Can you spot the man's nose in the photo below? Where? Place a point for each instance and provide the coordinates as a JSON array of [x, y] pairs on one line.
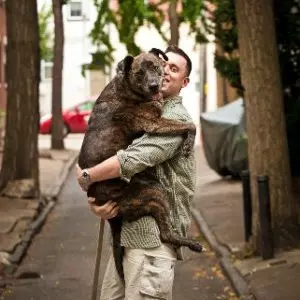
[[166, 69]]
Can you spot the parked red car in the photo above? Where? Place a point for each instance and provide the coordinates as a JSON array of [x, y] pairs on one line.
[[75, 119]]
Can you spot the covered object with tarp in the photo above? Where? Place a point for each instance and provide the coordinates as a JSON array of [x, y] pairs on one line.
[[223, 138]]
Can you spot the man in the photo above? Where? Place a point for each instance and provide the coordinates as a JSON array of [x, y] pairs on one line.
[[149, 264]]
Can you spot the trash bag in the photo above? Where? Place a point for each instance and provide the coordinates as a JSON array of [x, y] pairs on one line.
[[224, 139]]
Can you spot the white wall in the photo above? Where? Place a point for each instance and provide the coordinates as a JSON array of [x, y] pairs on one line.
[[45, 85], [211, 78], [77, 50], [76, 53]]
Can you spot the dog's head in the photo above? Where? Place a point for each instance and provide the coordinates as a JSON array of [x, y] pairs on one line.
[[144, 73]]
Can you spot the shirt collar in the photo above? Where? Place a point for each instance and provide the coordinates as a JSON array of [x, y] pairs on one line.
[[174, 99]]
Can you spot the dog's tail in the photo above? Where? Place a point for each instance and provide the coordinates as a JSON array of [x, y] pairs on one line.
[[167, 235], [177, 240], [118, 250], [159, 211]]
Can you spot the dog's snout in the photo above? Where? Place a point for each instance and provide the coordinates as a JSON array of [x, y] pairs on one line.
[[153, 86]]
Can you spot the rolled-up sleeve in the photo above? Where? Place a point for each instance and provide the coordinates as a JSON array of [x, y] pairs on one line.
[[147, 151]]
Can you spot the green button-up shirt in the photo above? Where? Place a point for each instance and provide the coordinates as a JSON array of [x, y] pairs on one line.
[[174, 171]]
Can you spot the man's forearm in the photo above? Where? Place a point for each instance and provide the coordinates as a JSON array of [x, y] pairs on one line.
[[108, 169]]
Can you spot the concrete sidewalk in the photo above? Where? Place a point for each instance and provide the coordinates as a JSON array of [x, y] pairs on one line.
[[21, 219], [219, 210]]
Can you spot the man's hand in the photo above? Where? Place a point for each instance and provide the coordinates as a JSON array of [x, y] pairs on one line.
[[107, 211], [81, 181]]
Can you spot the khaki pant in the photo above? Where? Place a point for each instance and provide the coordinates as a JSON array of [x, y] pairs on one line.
[[149, 274]]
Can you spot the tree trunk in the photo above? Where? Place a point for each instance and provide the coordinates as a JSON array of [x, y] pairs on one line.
[[20, 157], [57, 132], [174, 23], [268, 150]]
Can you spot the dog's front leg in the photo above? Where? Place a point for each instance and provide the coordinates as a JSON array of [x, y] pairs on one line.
[[163, 126], [138, 119]]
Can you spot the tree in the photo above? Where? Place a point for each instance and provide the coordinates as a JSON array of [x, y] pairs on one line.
[[58, 127], [267, 142], [287, 15], [224, 28], [174, 22], [132, 14], [20, 157]]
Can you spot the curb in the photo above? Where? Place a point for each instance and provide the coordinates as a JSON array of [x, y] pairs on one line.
[[17, 255], [68, 166], [46, 205], [238, 282]]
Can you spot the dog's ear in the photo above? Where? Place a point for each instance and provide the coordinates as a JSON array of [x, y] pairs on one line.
[[124, 65], [157, 52]]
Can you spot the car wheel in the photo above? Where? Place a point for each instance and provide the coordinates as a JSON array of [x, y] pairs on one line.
[[66, 130], [224, 172]]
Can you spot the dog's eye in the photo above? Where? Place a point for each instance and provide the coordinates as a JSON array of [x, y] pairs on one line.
[[140, 73], [159, 70]]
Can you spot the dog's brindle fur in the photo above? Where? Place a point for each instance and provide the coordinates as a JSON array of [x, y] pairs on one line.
[[126, 109]]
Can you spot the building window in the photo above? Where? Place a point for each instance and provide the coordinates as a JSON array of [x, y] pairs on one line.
[[47, 70], [76, 10]]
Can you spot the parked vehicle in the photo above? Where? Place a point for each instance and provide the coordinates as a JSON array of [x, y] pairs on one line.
[[75, 119], [224, 139]]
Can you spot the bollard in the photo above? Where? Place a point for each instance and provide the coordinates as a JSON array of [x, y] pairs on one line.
[[266, 233], [245, 175]]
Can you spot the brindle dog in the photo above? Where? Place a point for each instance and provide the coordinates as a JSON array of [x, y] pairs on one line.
[[129, 106]]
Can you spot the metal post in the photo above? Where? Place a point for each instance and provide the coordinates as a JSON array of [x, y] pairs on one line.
[[267, 243], [245, 175]]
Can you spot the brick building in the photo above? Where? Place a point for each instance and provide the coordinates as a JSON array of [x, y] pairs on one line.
[[2, 56]]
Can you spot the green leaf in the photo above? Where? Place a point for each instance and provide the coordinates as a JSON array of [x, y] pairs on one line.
[[46, 35]]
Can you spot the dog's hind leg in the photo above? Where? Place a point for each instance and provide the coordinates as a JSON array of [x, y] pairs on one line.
[[151, 202], [118, 250]]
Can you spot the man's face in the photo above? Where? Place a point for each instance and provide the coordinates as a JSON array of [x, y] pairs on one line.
[[175, 76]]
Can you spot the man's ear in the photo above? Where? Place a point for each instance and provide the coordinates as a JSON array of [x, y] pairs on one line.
[[124, 65], [186, 81]]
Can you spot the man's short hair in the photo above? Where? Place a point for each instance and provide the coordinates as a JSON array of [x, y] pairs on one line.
[[177, 50]]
